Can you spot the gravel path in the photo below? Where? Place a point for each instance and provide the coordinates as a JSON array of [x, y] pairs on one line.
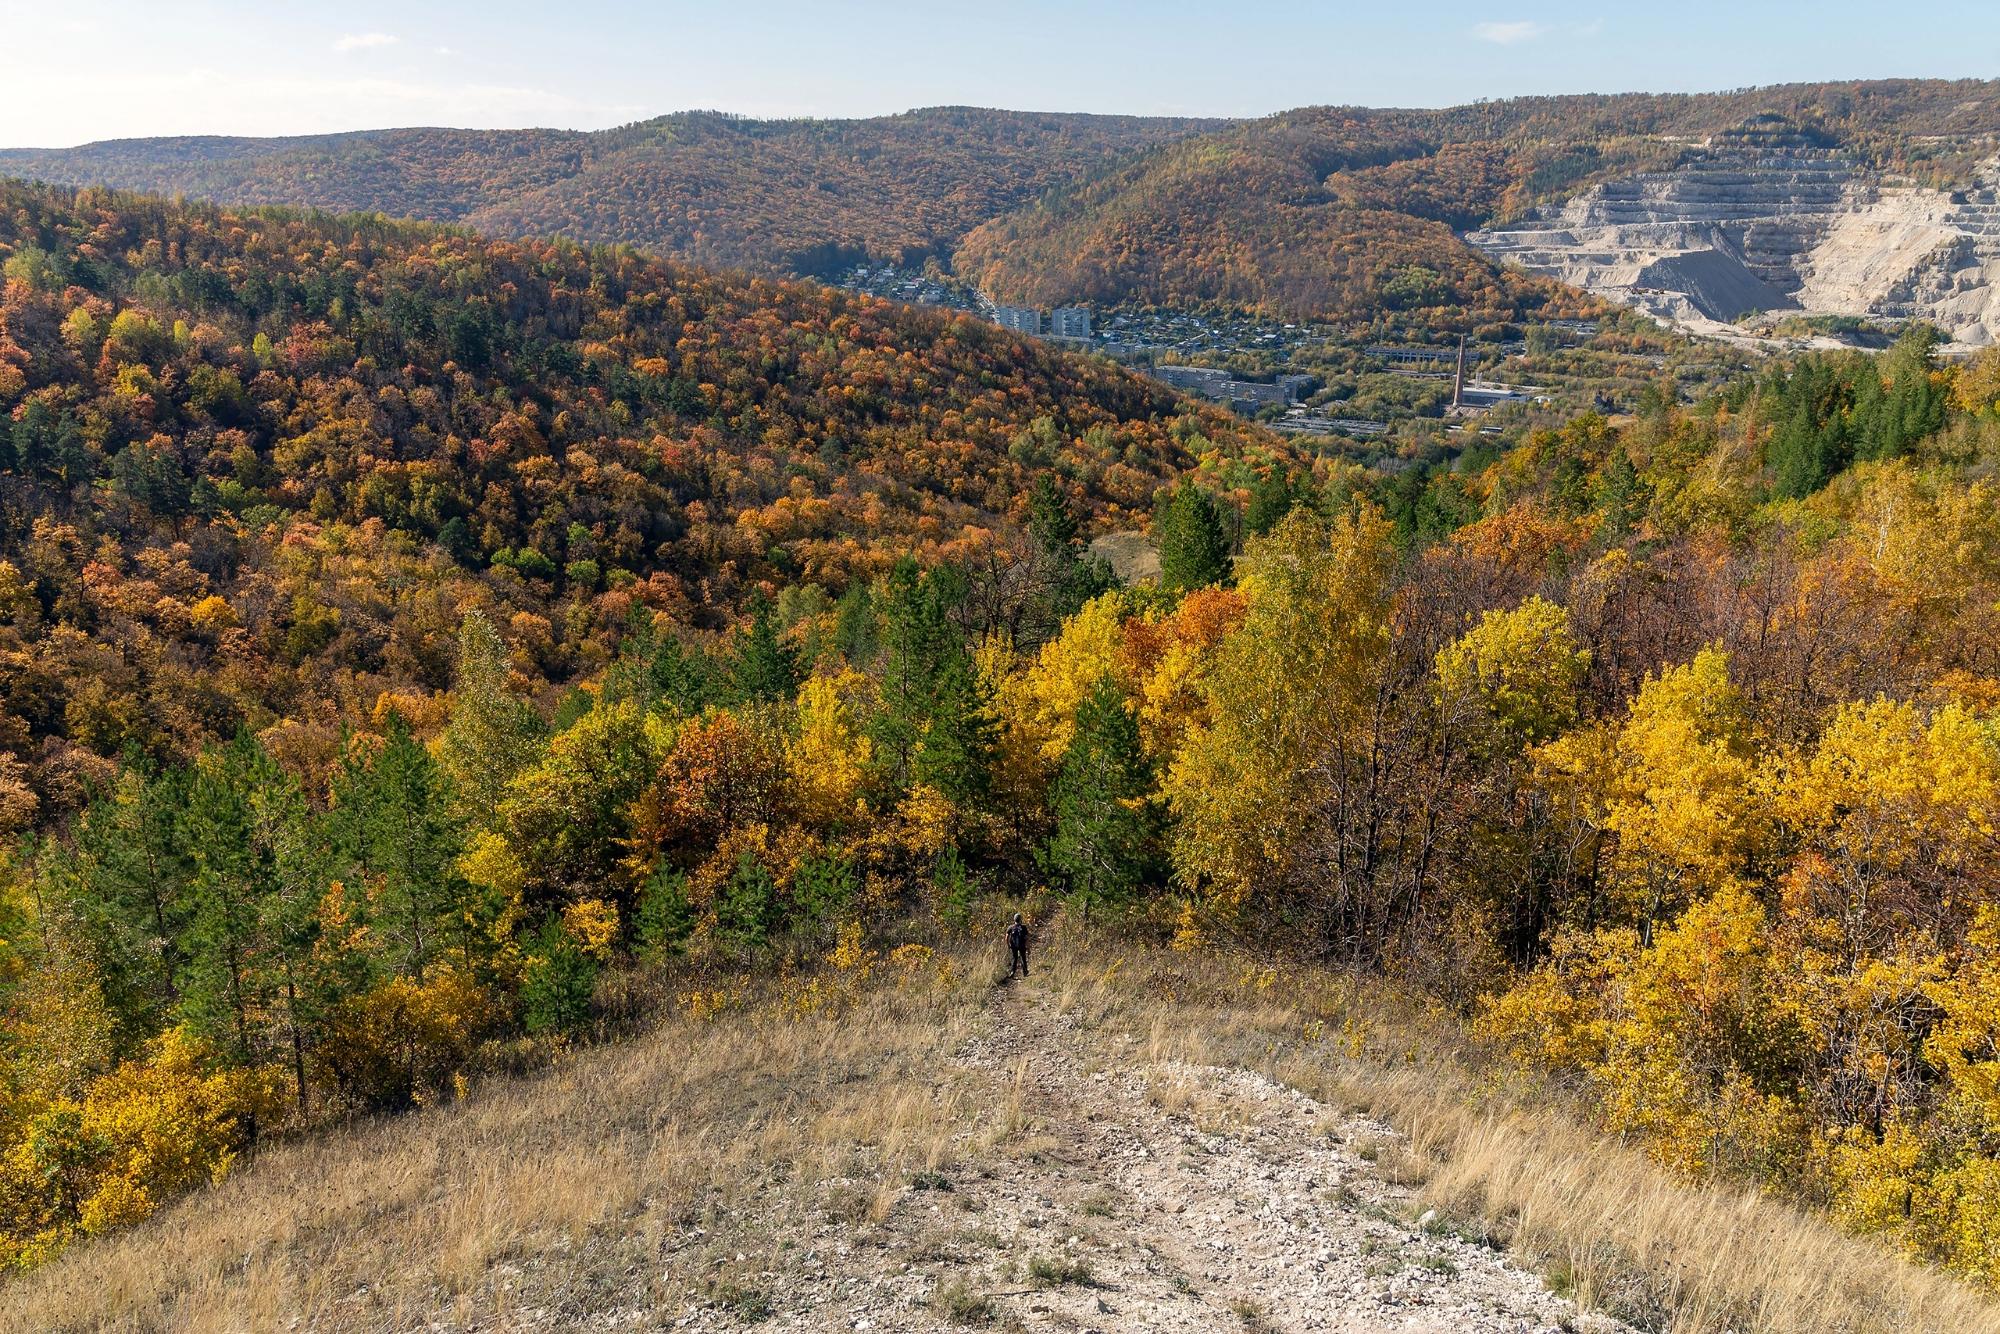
[[1125, 1195], [1216, 1199]]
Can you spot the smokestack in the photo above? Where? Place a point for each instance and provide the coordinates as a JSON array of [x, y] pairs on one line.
[[1458, 380]]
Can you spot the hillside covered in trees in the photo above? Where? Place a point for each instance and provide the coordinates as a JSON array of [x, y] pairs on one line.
[[721, 191], [415, 650], [255, 468], [1664, 753], [1348, 211], [1340, 212]]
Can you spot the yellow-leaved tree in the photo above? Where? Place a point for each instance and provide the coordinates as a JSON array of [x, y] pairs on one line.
[[1269, 794], [827, 756], [1673, 790]]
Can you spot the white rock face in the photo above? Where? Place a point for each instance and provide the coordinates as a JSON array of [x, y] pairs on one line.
[[1773, 223]]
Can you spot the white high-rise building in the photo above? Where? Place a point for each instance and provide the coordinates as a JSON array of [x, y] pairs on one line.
[[1070, 322], [1021, 319]]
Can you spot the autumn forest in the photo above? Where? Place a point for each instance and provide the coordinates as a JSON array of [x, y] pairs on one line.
[[408, 638]]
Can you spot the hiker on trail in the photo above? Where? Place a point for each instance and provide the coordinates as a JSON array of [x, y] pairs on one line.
[[1017, 947]]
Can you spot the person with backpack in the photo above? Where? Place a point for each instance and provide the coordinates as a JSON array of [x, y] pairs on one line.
[[1017, 948]]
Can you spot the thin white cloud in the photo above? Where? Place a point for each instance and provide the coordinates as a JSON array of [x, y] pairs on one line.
[[362, 41], [1508, 34]]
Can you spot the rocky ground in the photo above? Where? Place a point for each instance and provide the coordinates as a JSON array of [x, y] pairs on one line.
[[1105, 1192]]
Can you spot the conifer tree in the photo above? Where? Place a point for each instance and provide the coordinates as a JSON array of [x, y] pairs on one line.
[[1061, 576], [296, 847], [934, 725], [394, 809], [1621, 493], [766, 667], [1050, 522], [1104, 837], [854, 628], [1193, 544], [1272, 496], [129, 882], [747, 910], [222, 989]]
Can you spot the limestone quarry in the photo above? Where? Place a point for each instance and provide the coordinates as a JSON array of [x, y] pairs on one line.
[[1773, 223]]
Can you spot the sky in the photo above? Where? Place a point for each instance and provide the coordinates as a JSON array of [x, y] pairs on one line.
[[72, 72]]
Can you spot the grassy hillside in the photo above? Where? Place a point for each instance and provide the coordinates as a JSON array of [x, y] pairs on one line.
[[903, 1141], [1347, 211], [716, 190]]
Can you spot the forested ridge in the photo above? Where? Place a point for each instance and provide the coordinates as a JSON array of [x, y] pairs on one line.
[[256, 466], [716, 190], [1662, 752], [1348, 211], [1336, 212]]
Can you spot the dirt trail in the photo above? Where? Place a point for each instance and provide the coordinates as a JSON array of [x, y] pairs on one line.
[[1155, 1195], [1234, 1201]]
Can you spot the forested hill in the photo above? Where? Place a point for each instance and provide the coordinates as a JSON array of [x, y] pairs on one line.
[[716, 190], [1339, 212], [256, 467], [1347, 211]]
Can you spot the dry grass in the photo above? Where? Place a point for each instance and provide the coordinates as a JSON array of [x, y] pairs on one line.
[[1606, 1224], [641, 1173], [481, 1211]]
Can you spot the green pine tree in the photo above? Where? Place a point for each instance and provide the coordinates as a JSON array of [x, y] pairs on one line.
[[1105, 831], [1621, 493], [128, 882], [766, 667], [1192, 540], [395, 816], [223, 984], [854, 628], [664, 916], [934, 726], [747, 910], [1276, 493], [1050, 522], [558, 984]]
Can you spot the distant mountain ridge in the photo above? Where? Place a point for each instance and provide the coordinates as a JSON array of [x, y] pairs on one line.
[[722, 191], [1349, 212], [1343, 213]]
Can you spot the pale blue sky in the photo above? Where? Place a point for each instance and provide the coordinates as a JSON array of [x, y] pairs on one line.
[[72, 71]]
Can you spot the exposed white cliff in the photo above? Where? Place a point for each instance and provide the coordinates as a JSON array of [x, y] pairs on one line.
[[1773, 223]]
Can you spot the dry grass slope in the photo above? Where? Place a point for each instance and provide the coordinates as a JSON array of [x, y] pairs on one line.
[[703, 1167]]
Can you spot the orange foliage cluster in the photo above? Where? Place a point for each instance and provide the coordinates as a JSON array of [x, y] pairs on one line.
[[256, 467]]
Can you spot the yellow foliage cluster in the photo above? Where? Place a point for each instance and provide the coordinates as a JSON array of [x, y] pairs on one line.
[[406, 1040], [1518, 669], [828, 757], [147, 1131], [593, 925], [1792, 1001]]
